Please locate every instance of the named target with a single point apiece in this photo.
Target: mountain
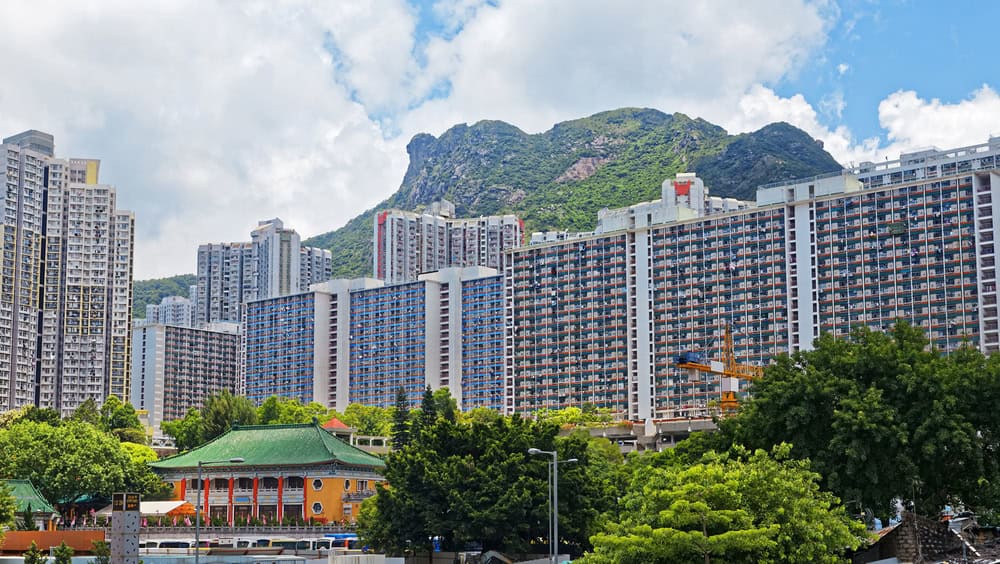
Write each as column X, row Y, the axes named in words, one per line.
column 559, row 179
column 152, row 291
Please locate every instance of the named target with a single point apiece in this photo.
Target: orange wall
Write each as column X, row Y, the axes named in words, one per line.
column 18, row 541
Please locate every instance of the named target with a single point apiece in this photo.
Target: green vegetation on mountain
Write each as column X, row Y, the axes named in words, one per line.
column 559, row 179
column 147, row 292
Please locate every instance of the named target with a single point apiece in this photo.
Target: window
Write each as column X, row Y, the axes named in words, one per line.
column 347, row 485
column 294, row 482
column 348, row 508
column 317, row 485
column 317, row 508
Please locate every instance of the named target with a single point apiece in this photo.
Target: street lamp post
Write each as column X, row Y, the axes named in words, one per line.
column 197, row 502
column 553, row 500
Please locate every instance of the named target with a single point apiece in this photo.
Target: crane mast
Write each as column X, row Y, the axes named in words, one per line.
column 730, row 370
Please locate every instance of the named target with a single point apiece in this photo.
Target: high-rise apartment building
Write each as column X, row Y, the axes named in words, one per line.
column 408, row 244
column 274, row 263
column 601, row 318
column 176, row 368
column 225, row 281
column 23, row 240
column 357, row 341
column 172, row 310
column 71, row 265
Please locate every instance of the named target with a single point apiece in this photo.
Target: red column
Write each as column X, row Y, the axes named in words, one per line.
column 208, row 511
column 253, row 510
column 281, row 488
column 183, row 489
column 305, row 499
column 230, row 510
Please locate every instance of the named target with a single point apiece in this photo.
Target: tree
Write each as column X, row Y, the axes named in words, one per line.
column 401, row 420
column 368, row 419
column 278, row 410
column 88, row 462
column 882, row 417
column 63, row 554
column 445, row 404
column 138, row 476
column 87, row 412
column 473, row 482
column 101, row 551
column 120, row 419
column 428, row 409
column 27, row 520
column 43, row 415
column 222, row 411
column 747, row 508
column 34, row 555
column 187, row 432
column 8, row 509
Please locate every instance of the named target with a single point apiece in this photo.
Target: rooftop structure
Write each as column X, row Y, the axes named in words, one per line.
column 288, row 472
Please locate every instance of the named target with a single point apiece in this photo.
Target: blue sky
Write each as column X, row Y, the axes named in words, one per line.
column 210, row 115
column 942, row 50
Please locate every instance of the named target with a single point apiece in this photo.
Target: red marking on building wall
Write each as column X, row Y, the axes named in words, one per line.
column 682, row 188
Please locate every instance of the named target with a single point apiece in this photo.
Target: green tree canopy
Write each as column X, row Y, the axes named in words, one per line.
column 138, row 476
column 8, row 508
column 747, row 508
column 472, row 481
column 882, row 417
column 222, row 411
column 87, row 412
column 279, row 410
column 117, row 416
column 187, row 432
column 401, row 420
column 88, row 462
column 368, row 419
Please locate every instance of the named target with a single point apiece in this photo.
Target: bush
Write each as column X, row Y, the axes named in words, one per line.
column 34, row 556
column 63, row 554
column 102, row 552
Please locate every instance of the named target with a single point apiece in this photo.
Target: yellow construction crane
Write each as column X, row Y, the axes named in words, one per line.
column 730, row 370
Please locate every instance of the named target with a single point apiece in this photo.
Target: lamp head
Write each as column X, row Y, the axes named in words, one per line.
column 534, row 451
column 571, row 460
column 237, row 460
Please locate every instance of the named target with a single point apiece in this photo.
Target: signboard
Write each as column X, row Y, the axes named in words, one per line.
column 132, row 502
column 125, row 521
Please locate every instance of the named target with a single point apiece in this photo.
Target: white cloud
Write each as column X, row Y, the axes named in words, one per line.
column 536, row 63
column 832, row 105
column 912, row 122
column 842, row 68
column 209, row 116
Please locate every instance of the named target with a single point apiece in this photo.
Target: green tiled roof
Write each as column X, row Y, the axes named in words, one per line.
column 25, row 494
column 272, row 445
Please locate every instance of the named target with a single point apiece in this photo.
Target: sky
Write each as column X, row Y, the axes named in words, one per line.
column 209, row 116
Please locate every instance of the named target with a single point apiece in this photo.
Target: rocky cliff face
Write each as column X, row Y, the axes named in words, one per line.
column 560, row 178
